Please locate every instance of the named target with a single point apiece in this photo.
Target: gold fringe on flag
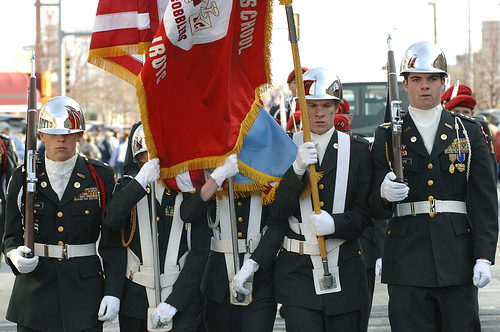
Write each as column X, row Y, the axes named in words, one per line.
column 99, row 58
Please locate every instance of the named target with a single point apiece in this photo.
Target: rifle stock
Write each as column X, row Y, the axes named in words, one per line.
column 30, row 161
column 396, row 116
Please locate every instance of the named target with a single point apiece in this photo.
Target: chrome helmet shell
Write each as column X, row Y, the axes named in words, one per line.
column 138, row 143
column 321, row 83
column 424, row 57
column 61, row 116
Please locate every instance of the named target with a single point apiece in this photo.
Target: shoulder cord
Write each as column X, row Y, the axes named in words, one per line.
column 188, row 231
column 457, row 119
column 20, row 201
column 5, row 155
column 100, row 185
column 133, row 226
column 215, row 224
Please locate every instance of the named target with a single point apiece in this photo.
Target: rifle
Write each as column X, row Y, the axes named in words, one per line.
column 396, row 114
column 30, row 162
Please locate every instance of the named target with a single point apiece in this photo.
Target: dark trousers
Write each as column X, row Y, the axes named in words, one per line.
column 181, row 323
column 258, row 316
column 21, row 328
column 365, row 312
column 421, row 309
column 300, row 319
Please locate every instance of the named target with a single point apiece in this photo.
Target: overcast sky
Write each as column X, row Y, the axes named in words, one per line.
column 349, row 37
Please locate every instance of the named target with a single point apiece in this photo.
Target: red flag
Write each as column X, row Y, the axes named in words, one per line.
column 200, row 85
column 122, row 32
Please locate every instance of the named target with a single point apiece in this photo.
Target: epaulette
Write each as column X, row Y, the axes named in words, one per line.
column 385, row 125
column 359, row 139
column 95, row 162
column 466, row 118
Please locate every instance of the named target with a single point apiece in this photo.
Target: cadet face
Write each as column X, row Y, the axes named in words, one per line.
column 293, row 87
column 321, row 114
column 143, row 157
column 60, row 147
column 424, row 90
column 463, row 110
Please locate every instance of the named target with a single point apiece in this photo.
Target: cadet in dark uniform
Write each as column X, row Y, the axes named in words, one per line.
column 183, row 248
column 63, row 287
column 8, row 161
column 220, row 314
column 373, row 237
column 345, row 164
column 438, row 249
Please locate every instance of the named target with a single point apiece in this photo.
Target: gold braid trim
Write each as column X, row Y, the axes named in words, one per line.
column 133, row 225
column 387, row 156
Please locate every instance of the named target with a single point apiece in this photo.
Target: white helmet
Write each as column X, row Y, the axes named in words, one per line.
column 61, row 116
column 424, row 57
column 138, row 142
column 321, row 83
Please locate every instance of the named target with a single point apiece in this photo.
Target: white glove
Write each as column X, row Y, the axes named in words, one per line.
column 307, row 154
column 322, row 224
column 482, row 273
column 247, row 270
column 149, row 172
column 393, row 191
column 108, row 310
column 163, row 314
column 22, row 264
column 378, row 267
column 230, row 168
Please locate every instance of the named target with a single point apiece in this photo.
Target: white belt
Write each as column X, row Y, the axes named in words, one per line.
column 309, row 248
column 226, row 246
column 429, row 207
column 65, row 251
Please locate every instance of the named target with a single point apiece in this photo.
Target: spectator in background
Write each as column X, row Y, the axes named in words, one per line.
column 104, row 145
column 291, row 104
column 118, row 156
column 18, row 142
column 89, row 148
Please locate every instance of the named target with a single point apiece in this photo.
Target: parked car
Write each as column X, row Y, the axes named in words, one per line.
column 367, row 102
column 492, row 115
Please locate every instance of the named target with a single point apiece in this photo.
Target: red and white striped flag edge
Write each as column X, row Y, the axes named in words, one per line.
column 199, row 88
column 122, row 33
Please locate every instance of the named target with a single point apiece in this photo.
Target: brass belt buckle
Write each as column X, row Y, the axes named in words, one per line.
column 412, row 207
column 131, row 276
column 46, row 251
column 432, row 212
column 247, row 246
column 301, row 247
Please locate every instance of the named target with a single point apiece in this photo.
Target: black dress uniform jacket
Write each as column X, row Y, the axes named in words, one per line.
column 8, row 161
column 441, row 250
column 64, row 295
column 293, row 274
column 215, row 283
column 185, row 293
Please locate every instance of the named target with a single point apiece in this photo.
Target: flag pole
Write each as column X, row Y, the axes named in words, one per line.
column 327, row 277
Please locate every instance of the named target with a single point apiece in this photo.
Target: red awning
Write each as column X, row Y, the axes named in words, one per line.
column 14, row 89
